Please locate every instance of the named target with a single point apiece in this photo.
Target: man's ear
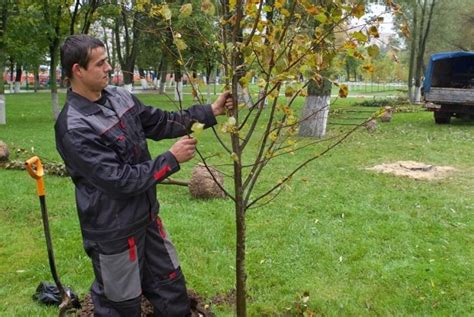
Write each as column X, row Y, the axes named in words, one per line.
column 76, row 70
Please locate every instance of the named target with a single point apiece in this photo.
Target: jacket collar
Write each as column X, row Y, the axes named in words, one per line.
column 82, row 104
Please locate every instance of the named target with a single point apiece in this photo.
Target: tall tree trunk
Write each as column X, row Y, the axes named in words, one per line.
column 143, row 80
column 127, row 55
column 316, row 110
column 209, row 67
column 163, row 72
column 178, row 89
column 53, row 50
column 3, row 26
column 18, row 78
column 36, row 78
column 424, row 33
column 413, row 54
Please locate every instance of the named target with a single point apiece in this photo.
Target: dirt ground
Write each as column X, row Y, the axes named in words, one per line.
column 198, row 307
column 415, row 170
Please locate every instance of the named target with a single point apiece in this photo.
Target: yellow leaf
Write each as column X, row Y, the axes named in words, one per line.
column 285, row 12
column 180, row 44
column 405, row 30
column 197, row 128
column 231, row 122
column 369, row 68
column 358, row 10
column 207, row 7
column 186, row 10
column 289, row 91
column 279, row 3
column 312, row 10
column 373, row 31
column 273, row 136
column 343, row 90
column 165, row 12
column 234, row 157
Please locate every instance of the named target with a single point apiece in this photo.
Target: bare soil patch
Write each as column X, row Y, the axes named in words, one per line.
column 413, row 169
column 198, row 307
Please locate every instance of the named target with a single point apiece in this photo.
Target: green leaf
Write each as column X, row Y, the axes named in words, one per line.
column 373, row 51
column 321, row 18
column 360, row 37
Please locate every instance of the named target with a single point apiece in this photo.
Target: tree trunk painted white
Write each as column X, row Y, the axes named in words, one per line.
column 417, row 98
column 315, row 116
column 178, row 91
column 3, row 117
column 144, row 83
column 410, row 94
column 162, row 88
column 128, row 87
column 155, row 83
column 55, row 104
column 17, row 87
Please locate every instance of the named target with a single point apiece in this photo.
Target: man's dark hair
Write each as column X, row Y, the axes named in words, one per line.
column 76, row 49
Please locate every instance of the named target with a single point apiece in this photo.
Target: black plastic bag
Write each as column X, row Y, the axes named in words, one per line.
column 48, row 294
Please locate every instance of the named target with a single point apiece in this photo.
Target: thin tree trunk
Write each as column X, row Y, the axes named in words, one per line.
column 18, row 78
column 36, row 78
column 178, row 89
column 52, row 78
column 240, row 203
column 163, row 73
column 413, row 52
column 424, row 33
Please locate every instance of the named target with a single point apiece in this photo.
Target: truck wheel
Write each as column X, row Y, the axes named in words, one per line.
column 442, row 117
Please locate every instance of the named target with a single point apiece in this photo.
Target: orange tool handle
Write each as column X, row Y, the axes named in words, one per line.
column 35, row 169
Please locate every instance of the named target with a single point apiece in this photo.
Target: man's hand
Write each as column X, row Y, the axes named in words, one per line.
column 224, row 103
column 184, row 149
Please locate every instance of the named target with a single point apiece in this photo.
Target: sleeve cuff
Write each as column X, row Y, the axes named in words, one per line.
column 169, row 166
column 210, row 117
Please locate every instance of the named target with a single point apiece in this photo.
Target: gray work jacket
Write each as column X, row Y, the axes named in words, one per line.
column 107, row 157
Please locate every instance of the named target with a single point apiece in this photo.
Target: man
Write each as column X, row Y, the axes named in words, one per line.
column 101, row 136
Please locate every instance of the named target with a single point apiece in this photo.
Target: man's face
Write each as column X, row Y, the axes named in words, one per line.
column 95, row 77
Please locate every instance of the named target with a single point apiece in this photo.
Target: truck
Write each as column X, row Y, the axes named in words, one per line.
column 448, row 87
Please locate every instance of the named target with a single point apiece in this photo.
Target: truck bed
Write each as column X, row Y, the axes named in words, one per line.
column 441, row 95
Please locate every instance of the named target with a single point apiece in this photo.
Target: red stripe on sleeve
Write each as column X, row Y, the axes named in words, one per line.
column 162, row 172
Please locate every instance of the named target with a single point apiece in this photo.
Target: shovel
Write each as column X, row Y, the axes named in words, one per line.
column 35, row 169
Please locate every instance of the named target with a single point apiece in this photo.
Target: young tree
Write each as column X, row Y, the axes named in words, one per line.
column 277, row 42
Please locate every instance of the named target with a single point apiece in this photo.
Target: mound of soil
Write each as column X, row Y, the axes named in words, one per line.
column 412, row 169
column 198, row 307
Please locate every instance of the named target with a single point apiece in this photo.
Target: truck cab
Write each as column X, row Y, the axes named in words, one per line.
column 448, row 87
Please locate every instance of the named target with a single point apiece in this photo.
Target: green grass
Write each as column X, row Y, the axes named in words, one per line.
column 361, row 244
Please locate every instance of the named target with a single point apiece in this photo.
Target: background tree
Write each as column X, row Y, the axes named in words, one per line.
column 27, row 42
column 127, row 36
column 4, row 13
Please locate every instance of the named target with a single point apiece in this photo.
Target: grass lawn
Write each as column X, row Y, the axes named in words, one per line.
column 359, row 243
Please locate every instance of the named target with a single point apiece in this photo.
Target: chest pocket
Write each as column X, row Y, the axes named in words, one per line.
column 120, row 142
